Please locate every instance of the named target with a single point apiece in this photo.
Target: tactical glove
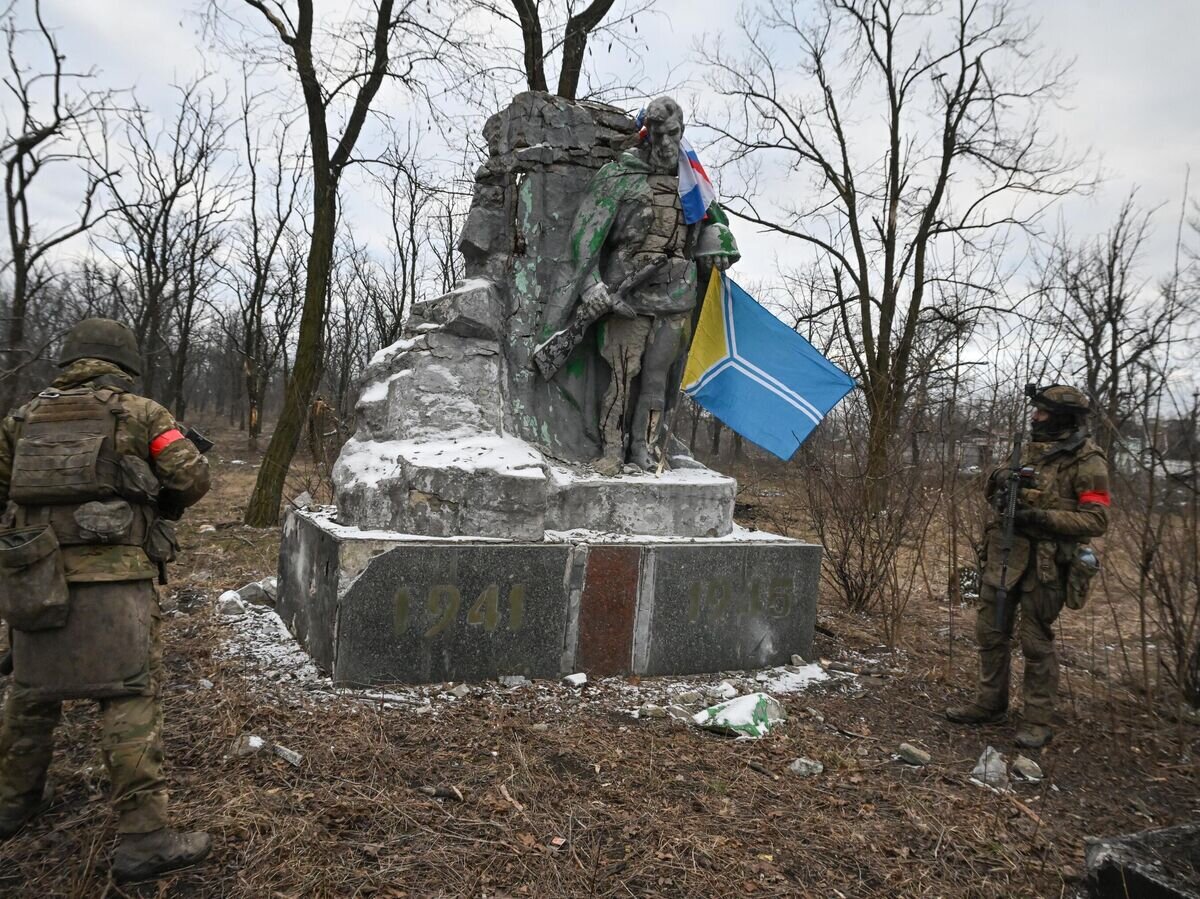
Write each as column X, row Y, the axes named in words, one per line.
column 1029, row 517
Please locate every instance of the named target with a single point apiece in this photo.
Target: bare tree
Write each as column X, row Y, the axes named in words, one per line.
column 169, row 211
column 959, row 163
column 322, row 89
column 1099, row 299
column 260, row 289
column 48, row 130
column 548, row 28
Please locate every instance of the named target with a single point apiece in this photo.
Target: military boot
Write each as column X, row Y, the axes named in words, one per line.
column 1034, row 736
column 16, row 815
column 142, row 856
column 975, row 714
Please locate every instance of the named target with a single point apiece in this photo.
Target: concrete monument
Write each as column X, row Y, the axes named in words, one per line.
column 501, row 508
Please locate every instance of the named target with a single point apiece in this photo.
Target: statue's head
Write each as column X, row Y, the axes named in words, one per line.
column 664, row 128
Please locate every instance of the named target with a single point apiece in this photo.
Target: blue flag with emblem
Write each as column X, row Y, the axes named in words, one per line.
column 757, row 375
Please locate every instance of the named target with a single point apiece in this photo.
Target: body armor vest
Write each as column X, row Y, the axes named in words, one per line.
column 68, row 474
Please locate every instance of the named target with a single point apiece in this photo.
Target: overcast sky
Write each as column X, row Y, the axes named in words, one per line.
column 1137, row 71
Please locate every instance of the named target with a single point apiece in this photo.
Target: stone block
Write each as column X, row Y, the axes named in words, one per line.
column 431, row 385
column 381, row 607
column 422, row 613
column 476, row 485
column 692, row 503
column 747, row 605
column 472, row 309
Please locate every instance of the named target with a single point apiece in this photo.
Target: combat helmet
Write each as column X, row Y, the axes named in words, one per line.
column 1059, row 399
column 102, row 338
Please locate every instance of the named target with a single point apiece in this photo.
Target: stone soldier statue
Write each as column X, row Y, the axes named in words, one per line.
column 95, row 472
column 1062, row 503
column 630, row 227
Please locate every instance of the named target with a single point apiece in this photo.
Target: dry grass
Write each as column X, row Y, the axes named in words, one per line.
column 645, row 808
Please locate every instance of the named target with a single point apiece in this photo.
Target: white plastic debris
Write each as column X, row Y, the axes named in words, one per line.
column 991, row 769
column 575, row 680
column 461, row 691
column 514, row 680
column 752, row 715
column 204, row 684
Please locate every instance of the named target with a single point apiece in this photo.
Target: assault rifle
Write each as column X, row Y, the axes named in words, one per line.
column 1007, row 524
column 551, row 354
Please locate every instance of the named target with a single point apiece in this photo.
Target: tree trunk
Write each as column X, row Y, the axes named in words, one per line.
column 263, row 509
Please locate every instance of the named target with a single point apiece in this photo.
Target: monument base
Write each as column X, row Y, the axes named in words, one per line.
column 375, row 607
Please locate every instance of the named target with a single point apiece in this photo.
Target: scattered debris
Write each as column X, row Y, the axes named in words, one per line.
column 795, row 678
column 514, row 680
column 205, row 684
column 540, row 728
column 247, row 745
column 575, row 680
column 1027, row 769
column 914, row 756
column 290, row 756
column 230, row 604
column 450, row 792
column 679, row 713
column 750, row 716
column 690, row 697
column 207, row 529
column 991, row 769
column 724, row 690
column 255, row 593
column 461, row 691
column 650, row 710
column 815, row 714
column 805, row 767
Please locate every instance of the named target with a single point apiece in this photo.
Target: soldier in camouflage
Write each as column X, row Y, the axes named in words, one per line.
column 104, row 469
column 1049, row 566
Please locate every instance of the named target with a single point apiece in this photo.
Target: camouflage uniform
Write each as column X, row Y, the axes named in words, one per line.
column 96, row 574
column 1066, row 506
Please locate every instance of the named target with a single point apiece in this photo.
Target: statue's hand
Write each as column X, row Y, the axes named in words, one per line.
column 598, row 301
column 722, row 262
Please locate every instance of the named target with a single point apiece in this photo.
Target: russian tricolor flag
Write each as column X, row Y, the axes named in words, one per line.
column 696, row 192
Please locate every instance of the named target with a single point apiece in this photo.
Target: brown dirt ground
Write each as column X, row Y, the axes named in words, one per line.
column 645, row 808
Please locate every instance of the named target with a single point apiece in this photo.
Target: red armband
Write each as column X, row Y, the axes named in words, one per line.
column 1099, row 497
column 163, row 440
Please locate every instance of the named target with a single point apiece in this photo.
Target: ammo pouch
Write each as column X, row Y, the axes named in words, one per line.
column 161, row 543
column 993, row 555
column 1080, row 573
column 33, row 585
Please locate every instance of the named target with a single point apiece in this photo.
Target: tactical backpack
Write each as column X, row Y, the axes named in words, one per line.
column 67, row 472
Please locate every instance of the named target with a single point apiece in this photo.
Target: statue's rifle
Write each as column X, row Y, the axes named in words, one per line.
column 552, row 353
column 1008, row 524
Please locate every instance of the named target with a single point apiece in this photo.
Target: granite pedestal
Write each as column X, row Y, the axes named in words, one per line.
column 374, row 607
